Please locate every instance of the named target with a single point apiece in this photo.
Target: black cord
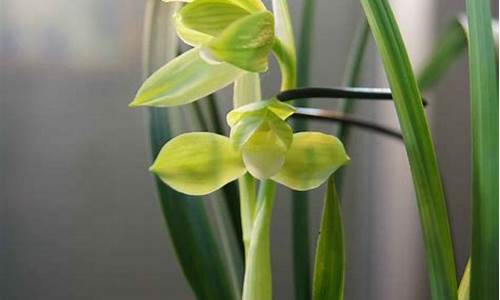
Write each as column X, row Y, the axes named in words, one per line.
column 334, row 116
column 361, row 93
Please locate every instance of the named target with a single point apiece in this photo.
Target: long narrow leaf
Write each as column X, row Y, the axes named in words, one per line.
column 419, row 147
column 300, row 200
column 352, row 76
column 464, row 288
column 330, row 258
column 450, row 46
column 211, row 269
column 484, row 97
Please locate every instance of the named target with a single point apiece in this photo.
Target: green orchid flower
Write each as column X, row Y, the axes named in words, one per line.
column 229, row 38
column 261, row 143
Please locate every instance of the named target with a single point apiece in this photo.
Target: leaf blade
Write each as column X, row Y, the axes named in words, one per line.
column 483, row 79
column 211, row 271
column 420, row 149
column 329, row 266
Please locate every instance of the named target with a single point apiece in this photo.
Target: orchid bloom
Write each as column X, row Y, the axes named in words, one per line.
column 229, row 38
column 261, row 143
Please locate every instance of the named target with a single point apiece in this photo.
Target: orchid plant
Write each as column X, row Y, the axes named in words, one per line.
column 231, row 43
column 232, row 40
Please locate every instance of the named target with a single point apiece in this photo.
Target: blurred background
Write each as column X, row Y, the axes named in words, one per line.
column 79, row 218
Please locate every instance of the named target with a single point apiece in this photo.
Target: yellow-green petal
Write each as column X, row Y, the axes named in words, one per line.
column 246, row 43
column 311, row 159
column 241, row 133
column 189, row 36
column 209, row 17
column 264, row 154
column 252, row 6
column 198, row 163
column 282, row 110
column 184, row 79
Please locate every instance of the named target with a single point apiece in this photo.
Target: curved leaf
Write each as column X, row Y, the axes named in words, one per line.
column 198, row 163
column 183, row 80
column 311, row 159
column 419, row 147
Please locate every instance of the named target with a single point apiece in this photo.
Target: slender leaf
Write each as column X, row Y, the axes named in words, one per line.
column 483, row 78
column 329, row 268
column 419, row 147
column 352, row 76
column 464, row 288
column 300, row 200
column 353, row 73
column 450, row 46
column 213, row 271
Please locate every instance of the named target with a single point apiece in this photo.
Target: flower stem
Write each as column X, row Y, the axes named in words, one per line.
column 247, row 207
column 258, row 280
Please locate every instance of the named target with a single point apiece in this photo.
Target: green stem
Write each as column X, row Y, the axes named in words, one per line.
column 288, row 68
column 258, row 281
column 484, row 109
column 247, row 207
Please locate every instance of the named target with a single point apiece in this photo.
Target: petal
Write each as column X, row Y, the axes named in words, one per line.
column 184, row 79
column 282, row 110
column 311, row 159
column 241, row 133
column 189, row 36
column 251, row 5
column 246, row 43
column 261, row 121
column 263, row 154
column 199, row 21
column 281, row 129
column 198, row 163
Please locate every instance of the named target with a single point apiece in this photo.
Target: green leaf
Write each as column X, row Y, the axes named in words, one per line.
column 464, row 288
column 246, row 43
column 450, row 46
column 300, row 200
column 483, row 77
column 183, row 80
column 210, row 17
column 198, row 163
column 207, row 251
column 258, row 280
column 419, row 147
column 311, row 159
column 329, row 268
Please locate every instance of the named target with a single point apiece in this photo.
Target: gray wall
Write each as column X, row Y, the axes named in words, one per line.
column 79, row 218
